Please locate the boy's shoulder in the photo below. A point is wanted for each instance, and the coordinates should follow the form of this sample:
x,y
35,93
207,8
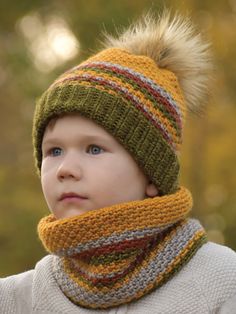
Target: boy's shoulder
x,y
15,292
19,292
212,258
212,264
202,286
213,270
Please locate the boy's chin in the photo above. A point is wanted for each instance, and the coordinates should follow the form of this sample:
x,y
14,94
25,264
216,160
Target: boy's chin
x,y
68,213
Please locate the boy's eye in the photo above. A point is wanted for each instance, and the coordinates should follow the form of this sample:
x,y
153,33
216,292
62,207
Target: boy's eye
x,y
95,150
55,151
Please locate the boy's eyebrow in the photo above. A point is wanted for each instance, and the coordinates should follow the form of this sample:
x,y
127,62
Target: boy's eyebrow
x,y
84,137
95,137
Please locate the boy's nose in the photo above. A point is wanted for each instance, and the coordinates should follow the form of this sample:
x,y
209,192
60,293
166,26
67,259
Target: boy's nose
x,y
69,169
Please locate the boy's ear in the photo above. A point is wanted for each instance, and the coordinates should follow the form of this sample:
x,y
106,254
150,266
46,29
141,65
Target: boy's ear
x,y
151,190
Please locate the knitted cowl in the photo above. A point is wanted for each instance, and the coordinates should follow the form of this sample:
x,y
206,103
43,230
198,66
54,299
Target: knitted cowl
x,y
117,254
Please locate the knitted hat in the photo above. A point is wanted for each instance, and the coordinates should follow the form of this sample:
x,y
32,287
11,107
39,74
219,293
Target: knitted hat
x,y
138,89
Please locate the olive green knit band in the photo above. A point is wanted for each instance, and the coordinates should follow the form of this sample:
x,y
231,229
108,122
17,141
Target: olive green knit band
x,y
124,121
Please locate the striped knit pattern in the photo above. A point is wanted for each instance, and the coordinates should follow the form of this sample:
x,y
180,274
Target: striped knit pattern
x,y
117,254
142,92
139,104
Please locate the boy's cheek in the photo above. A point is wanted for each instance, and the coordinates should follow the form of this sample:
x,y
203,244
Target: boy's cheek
x,y
48,166
47,183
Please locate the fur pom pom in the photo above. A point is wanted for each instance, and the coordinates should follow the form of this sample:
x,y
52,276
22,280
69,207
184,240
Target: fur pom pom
x,y
173,44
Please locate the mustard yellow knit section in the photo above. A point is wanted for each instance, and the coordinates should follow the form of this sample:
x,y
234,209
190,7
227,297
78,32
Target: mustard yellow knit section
x,y
150,212
147,67
141,64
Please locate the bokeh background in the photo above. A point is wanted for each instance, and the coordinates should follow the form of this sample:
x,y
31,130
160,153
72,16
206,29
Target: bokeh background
x,y
41,39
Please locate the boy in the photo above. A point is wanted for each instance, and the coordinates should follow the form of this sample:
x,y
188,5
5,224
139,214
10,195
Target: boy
x,y
106,136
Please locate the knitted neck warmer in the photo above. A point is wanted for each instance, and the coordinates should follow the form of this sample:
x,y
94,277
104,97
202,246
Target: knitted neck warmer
x,y
117,254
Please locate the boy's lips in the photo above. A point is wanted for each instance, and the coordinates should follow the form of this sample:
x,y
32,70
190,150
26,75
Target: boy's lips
x,y
71,195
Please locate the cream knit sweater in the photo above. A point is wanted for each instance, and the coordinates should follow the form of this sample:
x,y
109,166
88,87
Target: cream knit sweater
x,y
201,287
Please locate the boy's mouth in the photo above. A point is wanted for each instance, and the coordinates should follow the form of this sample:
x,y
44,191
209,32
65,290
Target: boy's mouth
x,y
71,195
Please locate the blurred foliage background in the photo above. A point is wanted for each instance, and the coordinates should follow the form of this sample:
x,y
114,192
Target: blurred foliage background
x,y
41,39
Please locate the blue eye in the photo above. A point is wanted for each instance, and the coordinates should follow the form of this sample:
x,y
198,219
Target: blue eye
x,y
55,151
94,149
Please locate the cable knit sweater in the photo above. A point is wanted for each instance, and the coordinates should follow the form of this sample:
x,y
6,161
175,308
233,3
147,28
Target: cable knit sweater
x,y
202,286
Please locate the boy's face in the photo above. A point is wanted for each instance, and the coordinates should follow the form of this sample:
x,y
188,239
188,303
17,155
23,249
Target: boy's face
x,y
81,158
